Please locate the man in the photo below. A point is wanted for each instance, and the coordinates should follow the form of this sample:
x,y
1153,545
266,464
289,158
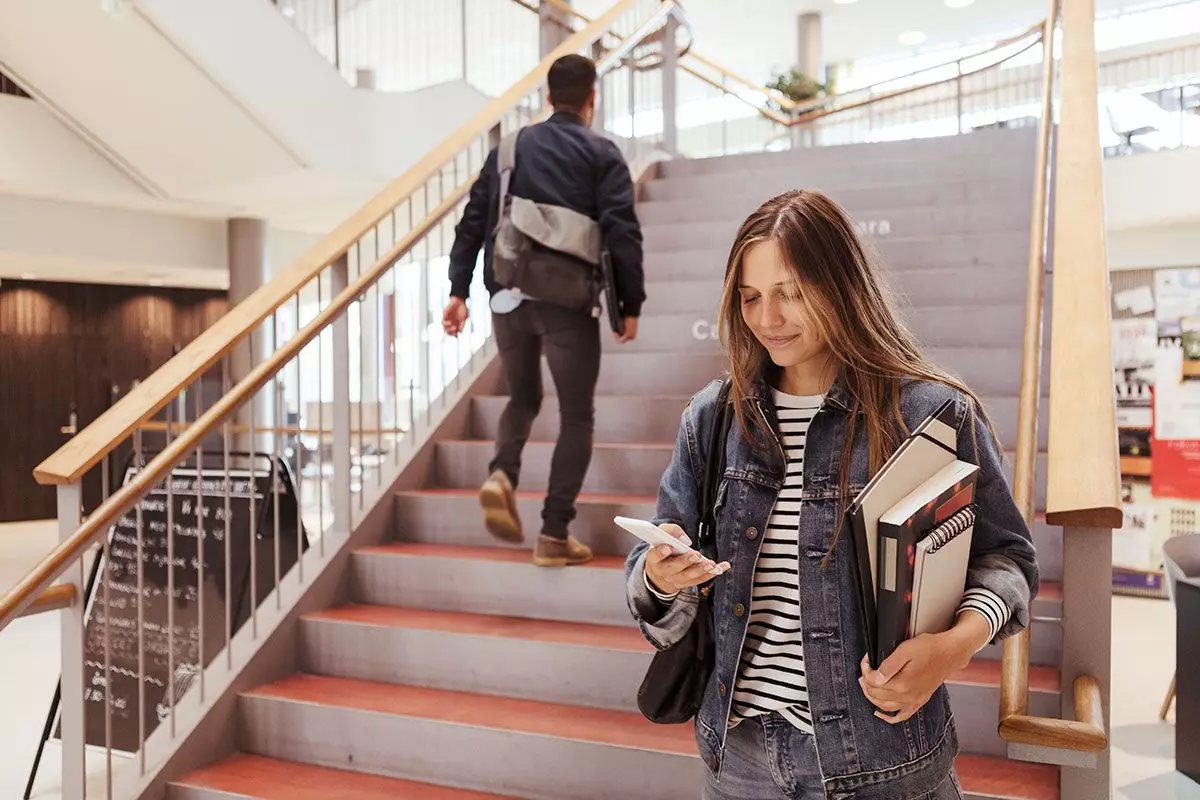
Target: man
x,y
560,162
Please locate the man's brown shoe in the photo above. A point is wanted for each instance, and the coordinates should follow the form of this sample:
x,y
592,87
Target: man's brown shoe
x,y
552,552
499,503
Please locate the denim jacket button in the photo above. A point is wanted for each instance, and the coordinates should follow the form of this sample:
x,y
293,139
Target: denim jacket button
x,y
739,610
752,533
723,689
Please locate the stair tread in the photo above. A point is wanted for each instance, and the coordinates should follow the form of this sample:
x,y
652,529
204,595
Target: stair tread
x,y
638,446
272,779
501,554
609,637
580,723
987,672
1002,778
585,497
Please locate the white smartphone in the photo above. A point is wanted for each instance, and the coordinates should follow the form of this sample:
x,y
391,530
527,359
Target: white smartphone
x,y
652,534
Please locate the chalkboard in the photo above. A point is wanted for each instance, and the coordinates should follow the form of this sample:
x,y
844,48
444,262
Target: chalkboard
x,y
251,497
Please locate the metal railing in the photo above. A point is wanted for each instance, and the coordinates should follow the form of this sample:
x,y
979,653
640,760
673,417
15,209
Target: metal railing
x,y
217,492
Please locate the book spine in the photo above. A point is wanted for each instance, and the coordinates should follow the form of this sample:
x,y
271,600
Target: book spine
x,y
897,556
866,580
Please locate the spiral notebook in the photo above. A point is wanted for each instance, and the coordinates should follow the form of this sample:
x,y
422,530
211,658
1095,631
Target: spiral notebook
x,y
940,573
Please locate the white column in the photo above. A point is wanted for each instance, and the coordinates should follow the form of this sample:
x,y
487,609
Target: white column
x,y
249,269
74,769
554,29
808,46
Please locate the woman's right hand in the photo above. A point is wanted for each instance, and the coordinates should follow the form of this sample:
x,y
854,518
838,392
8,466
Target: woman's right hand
x,y
672,572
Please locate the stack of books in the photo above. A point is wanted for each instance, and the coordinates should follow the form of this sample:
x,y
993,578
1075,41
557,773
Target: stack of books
x,y
912,527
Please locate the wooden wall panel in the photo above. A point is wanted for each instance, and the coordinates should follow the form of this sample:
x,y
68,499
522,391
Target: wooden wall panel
x,y
65,346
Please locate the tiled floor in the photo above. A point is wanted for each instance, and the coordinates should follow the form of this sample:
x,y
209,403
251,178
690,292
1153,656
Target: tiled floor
x,y
1143,658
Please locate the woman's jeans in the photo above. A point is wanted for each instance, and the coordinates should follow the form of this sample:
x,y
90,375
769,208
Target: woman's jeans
x,y
768,758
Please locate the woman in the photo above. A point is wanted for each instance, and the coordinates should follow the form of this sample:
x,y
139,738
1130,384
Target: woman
x,y
825,383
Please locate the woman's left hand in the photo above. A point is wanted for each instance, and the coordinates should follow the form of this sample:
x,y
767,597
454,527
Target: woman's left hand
x,y
907,679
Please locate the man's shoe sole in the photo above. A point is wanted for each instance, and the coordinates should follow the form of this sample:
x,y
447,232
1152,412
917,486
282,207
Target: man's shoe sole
x,y
542,561
498,516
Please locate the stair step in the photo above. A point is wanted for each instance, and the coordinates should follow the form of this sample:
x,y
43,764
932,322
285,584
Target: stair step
x,y
878,224
453,517
559,662
990,371
631,467
258,778
1011,144
505,745
489,580
635,419
985,778
989,325
863,202
923,289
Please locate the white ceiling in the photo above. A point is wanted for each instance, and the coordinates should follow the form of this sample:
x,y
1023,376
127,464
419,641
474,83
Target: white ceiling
x,y
757,37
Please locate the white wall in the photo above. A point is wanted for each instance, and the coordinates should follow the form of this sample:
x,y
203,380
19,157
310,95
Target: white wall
x,y
1152,208
55,240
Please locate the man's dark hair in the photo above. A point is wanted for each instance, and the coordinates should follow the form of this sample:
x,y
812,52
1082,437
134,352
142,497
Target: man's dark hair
x,y
571,80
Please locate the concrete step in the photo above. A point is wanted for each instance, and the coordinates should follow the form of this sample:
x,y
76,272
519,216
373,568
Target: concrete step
x,y
919,288
509,746
989,371
978,145
615,468
989,325
489,580
636,419
597,666
453,517
877,223
248,777
864,202
775,177
705,256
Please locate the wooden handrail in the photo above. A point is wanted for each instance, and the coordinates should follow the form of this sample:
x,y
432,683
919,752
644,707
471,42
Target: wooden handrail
x,y
1082,487
1076,379
54,598
1014,674
72,461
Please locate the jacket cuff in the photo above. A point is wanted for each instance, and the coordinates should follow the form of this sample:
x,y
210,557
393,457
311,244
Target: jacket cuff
x,y
663,625
631,309
461,289
1003,579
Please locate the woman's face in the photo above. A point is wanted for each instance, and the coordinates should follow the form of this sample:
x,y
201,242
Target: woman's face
x,y
774,312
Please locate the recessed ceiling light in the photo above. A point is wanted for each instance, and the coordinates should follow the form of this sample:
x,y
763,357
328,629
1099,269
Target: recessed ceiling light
x,y
958,3
911,38
28,276
289,11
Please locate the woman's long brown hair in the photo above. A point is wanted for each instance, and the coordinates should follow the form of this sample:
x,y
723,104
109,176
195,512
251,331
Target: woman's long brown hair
x,y
845,297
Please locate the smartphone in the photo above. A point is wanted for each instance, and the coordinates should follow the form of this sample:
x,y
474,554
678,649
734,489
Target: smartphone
x,y
651,534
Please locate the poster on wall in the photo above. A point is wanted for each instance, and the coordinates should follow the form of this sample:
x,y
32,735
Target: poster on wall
x,y
1177,296
1175,448
1135,353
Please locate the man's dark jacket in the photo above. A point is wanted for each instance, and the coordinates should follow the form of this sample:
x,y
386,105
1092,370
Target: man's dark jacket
x,y
564,163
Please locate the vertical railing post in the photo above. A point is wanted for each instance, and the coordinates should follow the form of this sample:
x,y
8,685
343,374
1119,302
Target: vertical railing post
x,y
1087,644
958,102
670,94
74,769
602,94
340,489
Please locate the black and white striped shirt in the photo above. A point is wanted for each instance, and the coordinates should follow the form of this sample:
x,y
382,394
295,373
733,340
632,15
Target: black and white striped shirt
x,y
771,676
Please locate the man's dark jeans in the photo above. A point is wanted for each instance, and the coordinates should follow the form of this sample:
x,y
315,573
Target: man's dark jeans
x,y
571,343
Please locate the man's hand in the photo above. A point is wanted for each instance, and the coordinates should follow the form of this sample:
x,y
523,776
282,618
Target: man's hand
x,y
905,681
631,326
454,318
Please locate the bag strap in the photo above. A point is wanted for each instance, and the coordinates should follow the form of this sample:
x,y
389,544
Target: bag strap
x,y
506,162
714,466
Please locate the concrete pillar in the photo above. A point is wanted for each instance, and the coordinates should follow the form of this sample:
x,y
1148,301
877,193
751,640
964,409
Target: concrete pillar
x,y
808,46
249,268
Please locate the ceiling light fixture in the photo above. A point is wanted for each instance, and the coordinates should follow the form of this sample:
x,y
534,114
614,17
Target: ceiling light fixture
x,y
958,3
912,38
289,12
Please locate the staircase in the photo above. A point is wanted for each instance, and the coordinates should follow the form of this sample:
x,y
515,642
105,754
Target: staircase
x,y
460,664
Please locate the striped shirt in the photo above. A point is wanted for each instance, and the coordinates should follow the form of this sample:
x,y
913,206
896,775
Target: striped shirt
x,y
771,675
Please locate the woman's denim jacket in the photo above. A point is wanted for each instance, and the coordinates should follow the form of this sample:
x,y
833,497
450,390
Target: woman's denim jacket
x,y
861,756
